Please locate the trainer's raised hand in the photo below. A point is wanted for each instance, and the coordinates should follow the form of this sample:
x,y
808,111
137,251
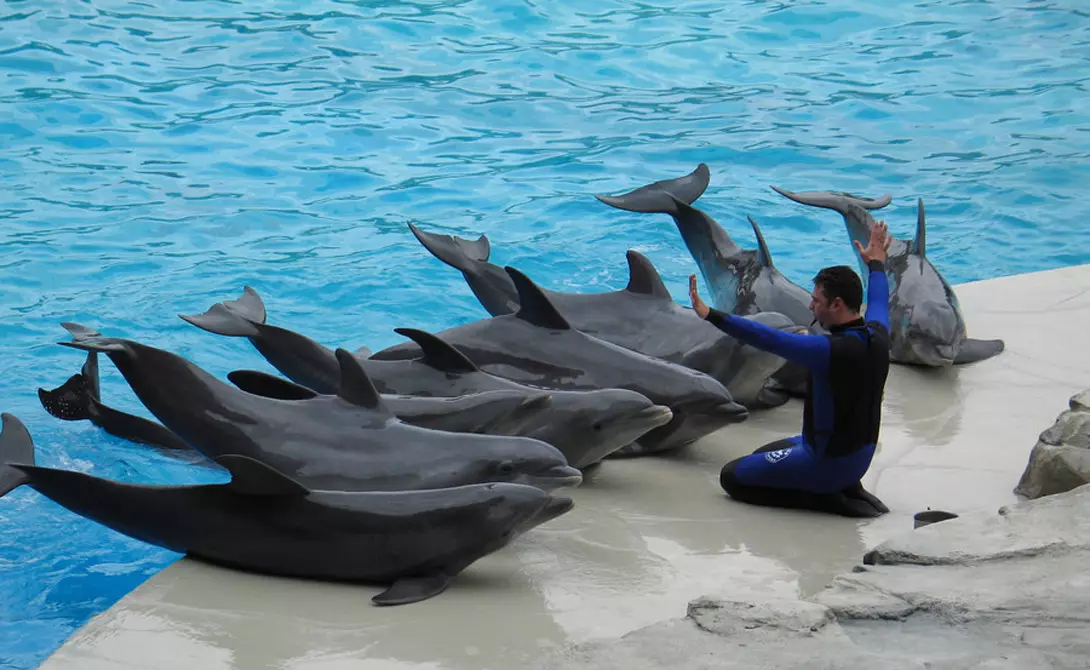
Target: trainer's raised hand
x,y
698,305
877,245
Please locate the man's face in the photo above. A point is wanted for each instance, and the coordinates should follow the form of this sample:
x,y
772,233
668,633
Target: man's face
x,y
821,308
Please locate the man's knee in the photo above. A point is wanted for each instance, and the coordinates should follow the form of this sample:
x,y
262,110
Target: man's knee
x,y
728,478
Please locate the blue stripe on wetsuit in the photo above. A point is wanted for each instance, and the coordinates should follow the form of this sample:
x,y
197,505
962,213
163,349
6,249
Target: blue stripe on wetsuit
x,y
804,466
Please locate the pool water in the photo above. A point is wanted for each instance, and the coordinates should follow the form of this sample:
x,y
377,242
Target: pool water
x,y
157,157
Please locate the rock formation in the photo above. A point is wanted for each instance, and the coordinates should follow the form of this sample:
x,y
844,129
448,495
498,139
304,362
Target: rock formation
x,y
1060,461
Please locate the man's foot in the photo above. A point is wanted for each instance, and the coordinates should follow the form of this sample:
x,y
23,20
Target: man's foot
x,y
857,492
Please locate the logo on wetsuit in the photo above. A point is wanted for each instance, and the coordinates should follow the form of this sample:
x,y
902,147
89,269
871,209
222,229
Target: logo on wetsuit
x,y
778,455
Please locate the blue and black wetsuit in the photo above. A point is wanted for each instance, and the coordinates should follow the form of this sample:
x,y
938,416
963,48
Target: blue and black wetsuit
x,y
843,407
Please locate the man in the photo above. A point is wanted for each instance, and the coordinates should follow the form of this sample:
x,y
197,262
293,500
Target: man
x,y
822,467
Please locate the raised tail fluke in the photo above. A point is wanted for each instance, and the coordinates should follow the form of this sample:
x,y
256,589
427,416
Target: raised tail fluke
x,y
77,398
16,448
90,340
234,318
654,198
836,201
456,252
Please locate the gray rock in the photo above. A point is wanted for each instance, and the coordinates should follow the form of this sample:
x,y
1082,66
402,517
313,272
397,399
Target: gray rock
x,y
980,592
1060,461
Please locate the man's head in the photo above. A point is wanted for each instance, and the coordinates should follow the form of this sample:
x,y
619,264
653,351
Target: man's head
x,y
837,296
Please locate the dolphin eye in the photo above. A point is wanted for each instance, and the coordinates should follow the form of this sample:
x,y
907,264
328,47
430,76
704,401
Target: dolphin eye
x,y
597,427
506,468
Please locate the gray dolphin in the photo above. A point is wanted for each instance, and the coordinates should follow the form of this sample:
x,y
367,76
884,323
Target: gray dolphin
x,y
538,346
643,317
741,281
586,426
497,412
926,324
351,441
262,520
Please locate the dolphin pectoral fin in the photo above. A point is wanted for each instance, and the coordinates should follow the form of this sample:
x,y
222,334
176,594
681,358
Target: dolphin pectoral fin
x,y
973,351
651,197
412,590
269,386
252,477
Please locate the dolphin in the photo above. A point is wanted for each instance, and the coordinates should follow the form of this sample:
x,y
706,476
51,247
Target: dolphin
x,y
586,425
538,346
350,441
496,412
741,281
643,317
926,324
413,542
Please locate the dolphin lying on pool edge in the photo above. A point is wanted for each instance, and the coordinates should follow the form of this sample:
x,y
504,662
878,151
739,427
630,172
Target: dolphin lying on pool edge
x,y
413,542
538,346
350,441
926,324
494,412
643,317
586,425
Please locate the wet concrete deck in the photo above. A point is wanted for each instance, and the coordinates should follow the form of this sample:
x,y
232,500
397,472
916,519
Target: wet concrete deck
x,y
646,535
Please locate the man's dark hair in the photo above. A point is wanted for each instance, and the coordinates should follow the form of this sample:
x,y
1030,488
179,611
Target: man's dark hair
x,y
840,281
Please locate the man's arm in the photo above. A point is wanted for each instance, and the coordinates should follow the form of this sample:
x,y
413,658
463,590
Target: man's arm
x,y
878,294
809,350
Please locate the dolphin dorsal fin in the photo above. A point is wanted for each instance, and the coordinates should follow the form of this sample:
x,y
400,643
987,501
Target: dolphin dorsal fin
x,y
356,386
254,478
919,244
764,256
534,306
438,353
643,278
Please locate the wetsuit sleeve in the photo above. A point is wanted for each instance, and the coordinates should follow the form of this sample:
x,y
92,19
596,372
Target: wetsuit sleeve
x,y
809,350
878,294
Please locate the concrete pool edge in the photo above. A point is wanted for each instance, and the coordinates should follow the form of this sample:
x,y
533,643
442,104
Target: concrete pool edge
x,y
950,595
1012,297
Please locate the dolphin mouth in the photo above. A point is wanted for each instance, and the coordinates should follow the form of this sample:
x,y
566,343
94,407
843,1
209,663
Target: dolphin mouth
x,y
658,415
730,410
557,506
559,477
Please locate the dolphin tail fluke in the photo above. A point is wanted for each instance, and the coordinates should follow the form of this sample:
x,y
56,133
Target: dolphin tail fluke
x,y
89,340
973,351
457,252
234,318
839,202
76,399
653,198
16,448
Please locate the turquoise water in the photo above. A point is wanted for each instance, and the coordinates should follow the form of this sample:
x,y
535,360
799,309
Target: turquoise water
x,y
158,156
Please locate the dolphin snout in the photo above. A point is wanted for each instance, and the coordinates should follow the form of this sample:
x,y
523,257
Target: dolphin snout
x,y
558,477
